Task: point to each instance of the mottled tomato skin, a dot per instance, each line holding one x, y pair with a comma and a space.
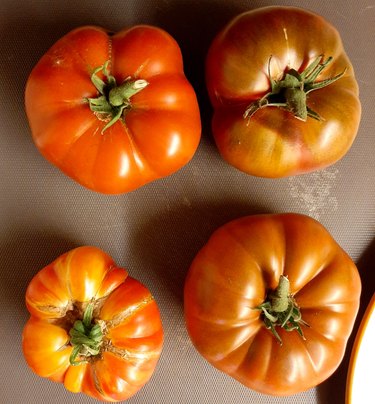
127, 311
230, 277
155, 138
273, 143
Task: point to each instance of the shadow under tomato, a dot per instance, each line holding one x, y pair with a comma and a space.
334, 387
194, 26
168, 242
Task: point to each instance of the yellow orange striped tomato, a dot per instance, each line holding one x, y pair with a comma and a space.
92, 327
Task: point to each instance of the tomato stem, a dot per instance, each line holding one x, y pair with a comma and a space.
290, 93
113, 99
85, 337
281, 310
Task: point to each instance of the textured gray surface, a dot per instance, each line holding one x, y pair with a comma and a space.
156, 231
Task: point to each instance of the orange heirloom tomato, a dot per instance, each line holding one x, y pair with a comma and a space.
113, 112
271, 300
283, 90
92, 327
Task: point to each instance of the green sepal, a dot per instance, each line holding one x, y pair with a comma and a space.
281, 310
290, 93
85, 337
113, 100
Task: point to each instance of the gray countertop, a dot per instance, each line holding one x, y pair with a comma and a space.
156, 230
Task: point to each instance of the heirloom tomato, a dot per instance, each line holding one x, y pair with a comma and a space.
271, 300
113, 112
283, 90
92, 327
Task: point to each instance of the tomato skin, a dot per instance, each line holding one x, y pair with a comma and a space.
273, 143
231, 276
157, 136
133, 333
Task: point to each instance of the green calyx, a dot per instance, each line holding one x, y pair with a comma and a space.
85, 337
113, 100
281, 310
290, 93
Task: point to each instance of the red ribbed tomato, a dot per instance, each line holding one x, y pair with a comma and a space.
92, 327
284, 93
113, 112
271, 300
